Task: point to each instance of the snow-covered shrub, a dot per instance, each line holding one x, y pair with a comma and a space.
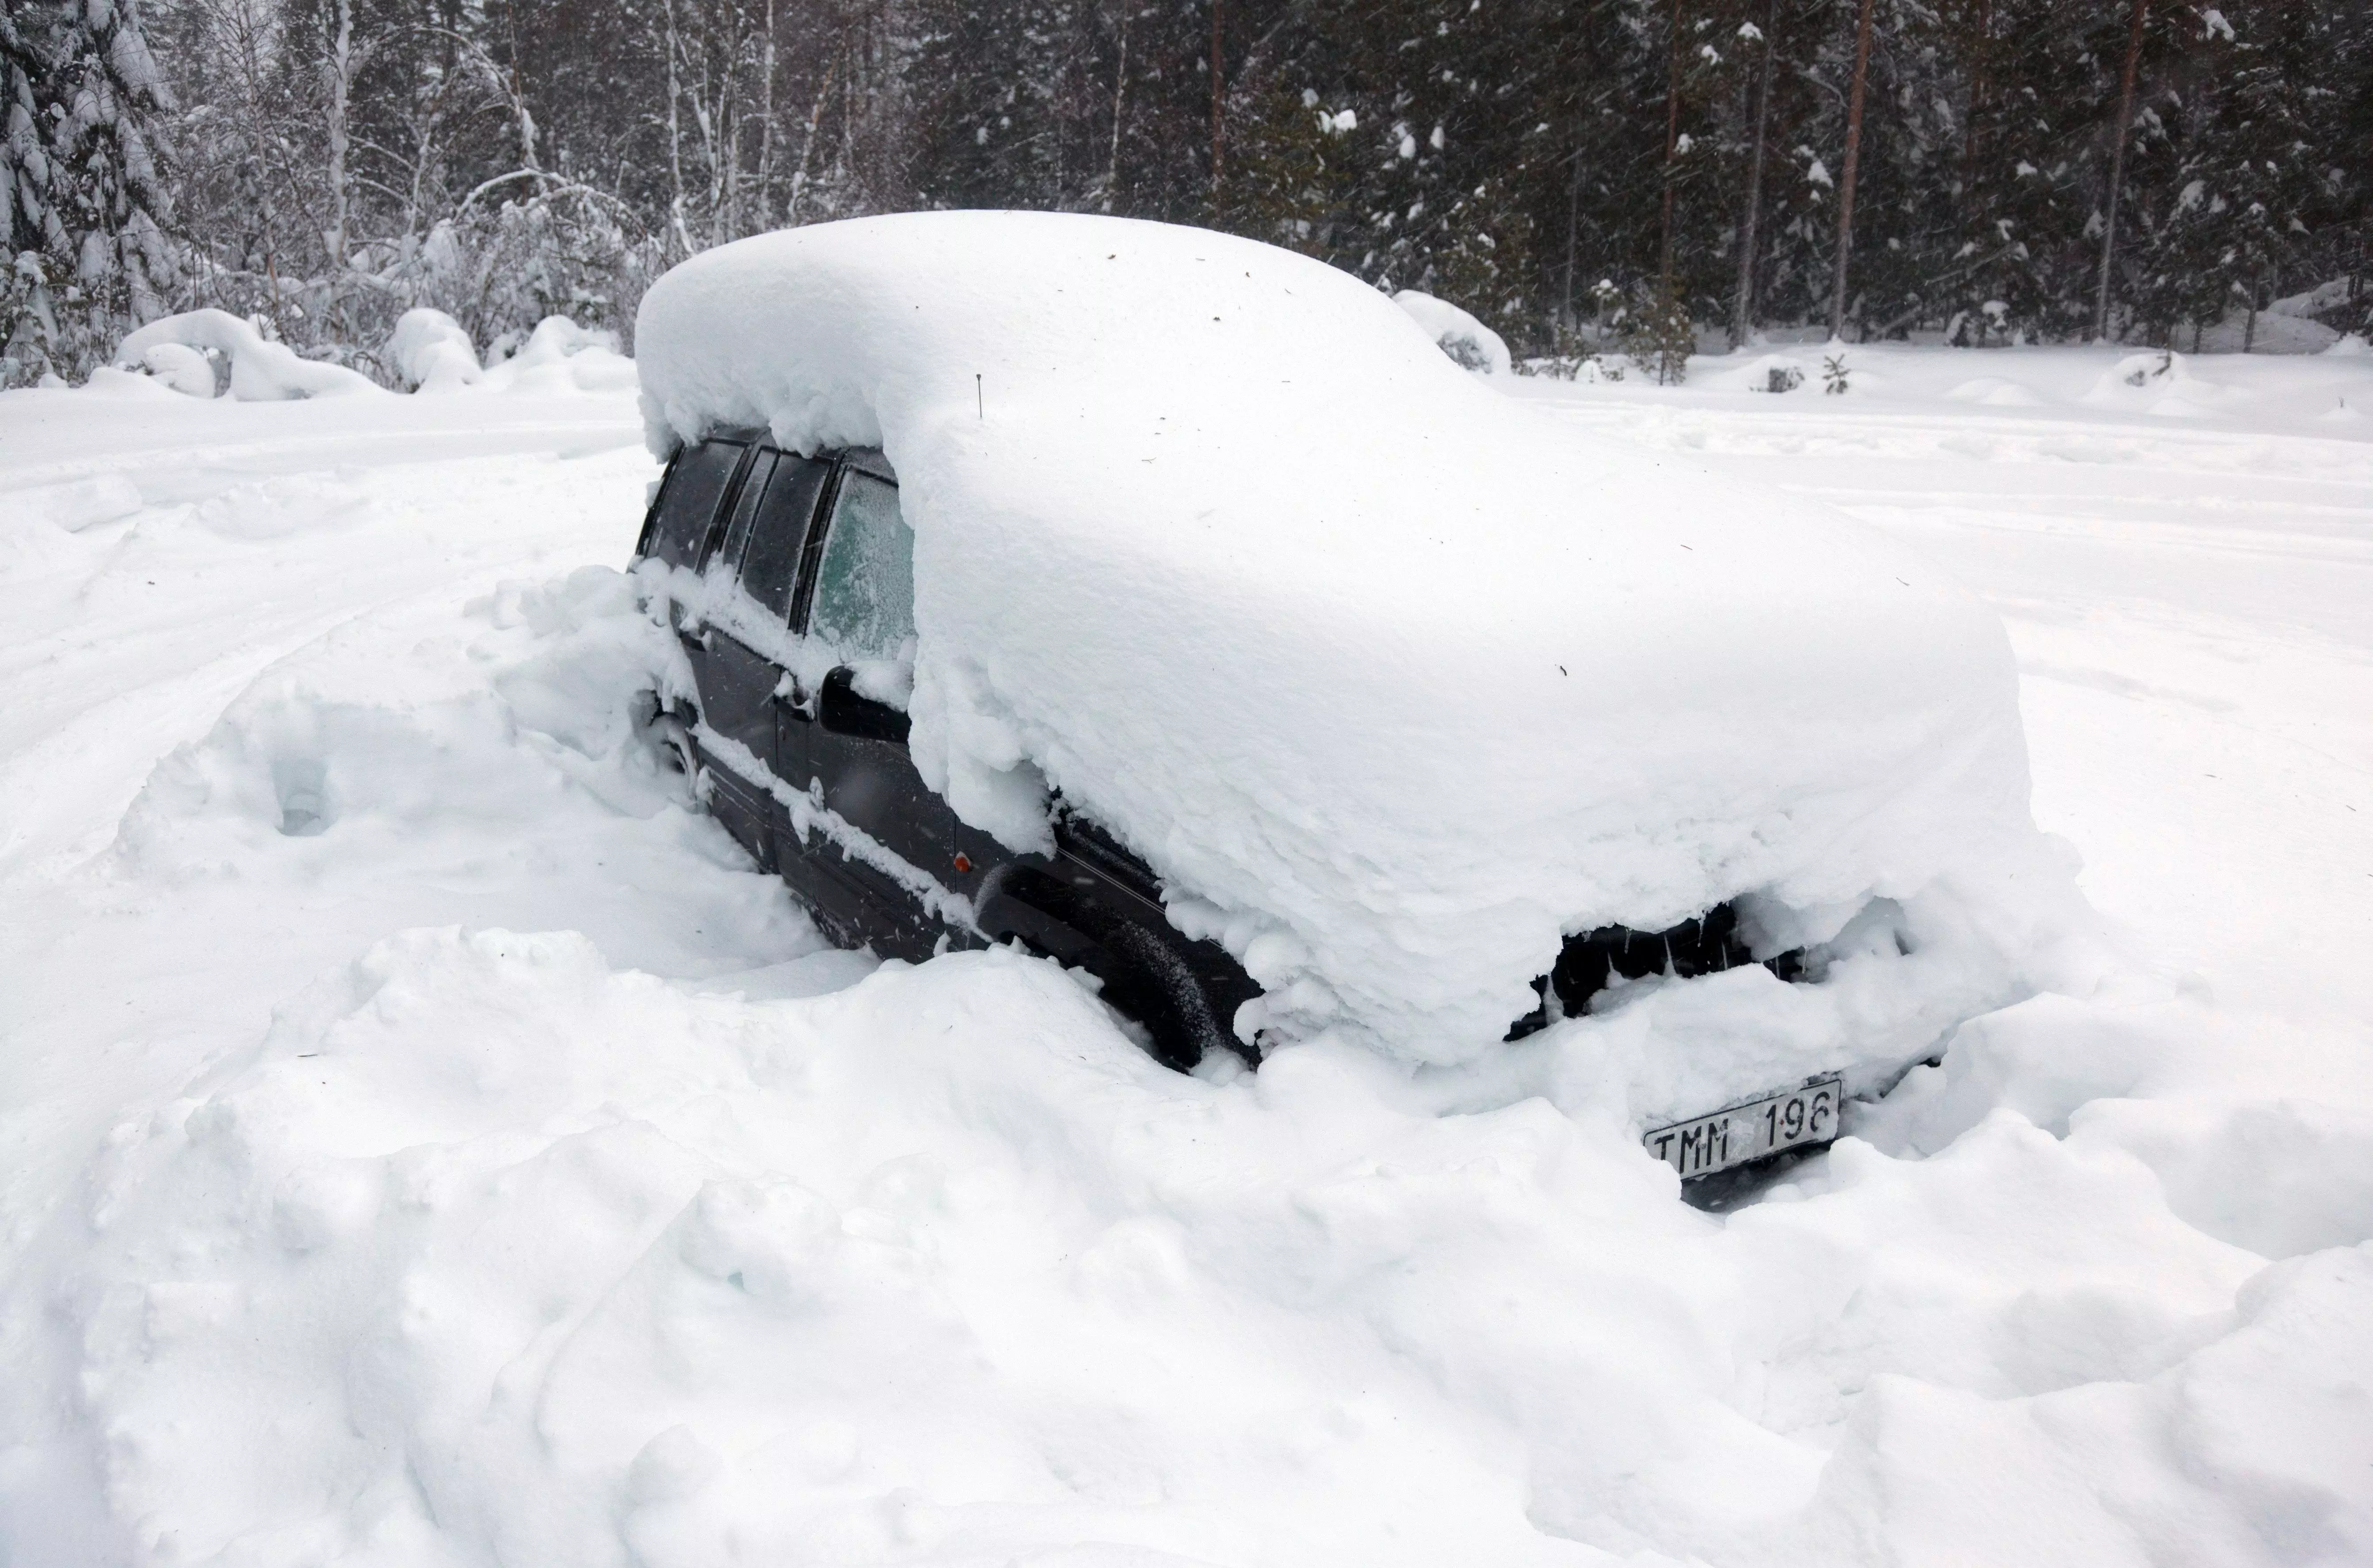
260, 370
1467, 340
182, 368
431, 352
1764, 372
561, 355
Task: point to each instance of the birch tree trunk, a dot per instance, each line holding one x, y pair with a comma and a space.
341, 64
1120, 86
675, 132
1846, 180
1218, 98
767, 125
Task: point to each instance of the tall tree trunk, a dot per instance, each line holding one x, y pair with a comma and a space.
1219, 60
1573, 232
338, 133
1120, 87
1981, 45
1672, 141
807, 148
1846, 179
1742, 310
2118, 166
675, 136
1981, 48
766, 126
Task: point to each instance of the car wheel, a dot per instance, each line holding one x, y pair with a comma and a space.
1151, 984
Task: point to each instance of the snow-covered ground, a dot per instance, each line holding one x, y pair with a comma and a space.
426, 1142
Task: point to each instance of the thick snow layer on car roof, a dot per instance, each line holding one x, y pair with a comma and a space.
1395, 681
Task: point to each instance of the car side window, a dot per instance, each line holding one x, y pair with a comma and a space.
770, 560
746, 505
865, 585
695, 483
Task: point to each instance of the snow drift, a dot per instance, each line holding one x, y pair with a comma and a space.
432, 353
1467, 340
1395, 682
260, 370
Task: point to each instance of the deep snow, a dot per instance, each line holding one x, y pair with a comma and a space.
427, 1143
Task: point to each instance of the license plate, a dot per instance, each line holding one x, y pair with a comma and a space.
1793, 1118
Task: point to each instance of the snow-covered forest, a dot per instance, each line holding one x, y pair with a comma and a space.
1986, 171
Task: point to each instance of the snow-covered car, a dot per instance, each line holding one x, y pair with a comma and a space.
1168, 604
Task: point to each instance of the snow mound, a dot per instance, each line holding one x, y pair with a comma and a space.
77, 504
1768, 373
431, 352
1397, 683
2349, 345
182, 368
535, 1259
260, 371
561, 356
1993, 392
1467, 340
2159, 384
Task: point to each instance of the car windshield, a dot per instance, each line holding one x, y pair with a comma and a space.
865, 586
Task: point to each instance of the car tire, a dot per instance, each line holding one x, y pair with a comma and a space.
1147, 980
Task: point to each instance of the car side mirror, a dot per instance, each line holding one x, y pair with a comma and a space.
843, 710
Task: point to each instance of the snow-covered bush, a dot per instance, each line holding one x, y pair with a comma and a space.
561, 355
432, 353
1469, 341
182, 368
260, 370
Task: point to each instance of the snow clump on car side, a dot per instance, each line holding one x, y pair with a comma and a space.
1395, 682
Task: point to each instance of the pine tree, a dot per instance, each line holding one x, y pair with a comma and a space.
28, 323
108, 193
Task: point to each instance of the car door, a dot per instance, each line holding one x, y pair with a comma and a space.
688, 527
737, 684
857, 598
756, 541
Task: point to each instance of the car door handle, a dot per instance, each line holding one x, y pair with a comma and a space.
795, 699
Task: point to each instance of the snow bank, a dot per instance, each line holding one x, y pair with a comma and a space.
2160, 384
561, 356
77, 503
182, 368
1770, 373
1467, 340
1397, 683
260, 371
491, 1252
431, 352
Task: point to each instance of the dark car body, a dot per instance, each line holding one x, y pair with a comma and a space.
814, 779
759, 739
